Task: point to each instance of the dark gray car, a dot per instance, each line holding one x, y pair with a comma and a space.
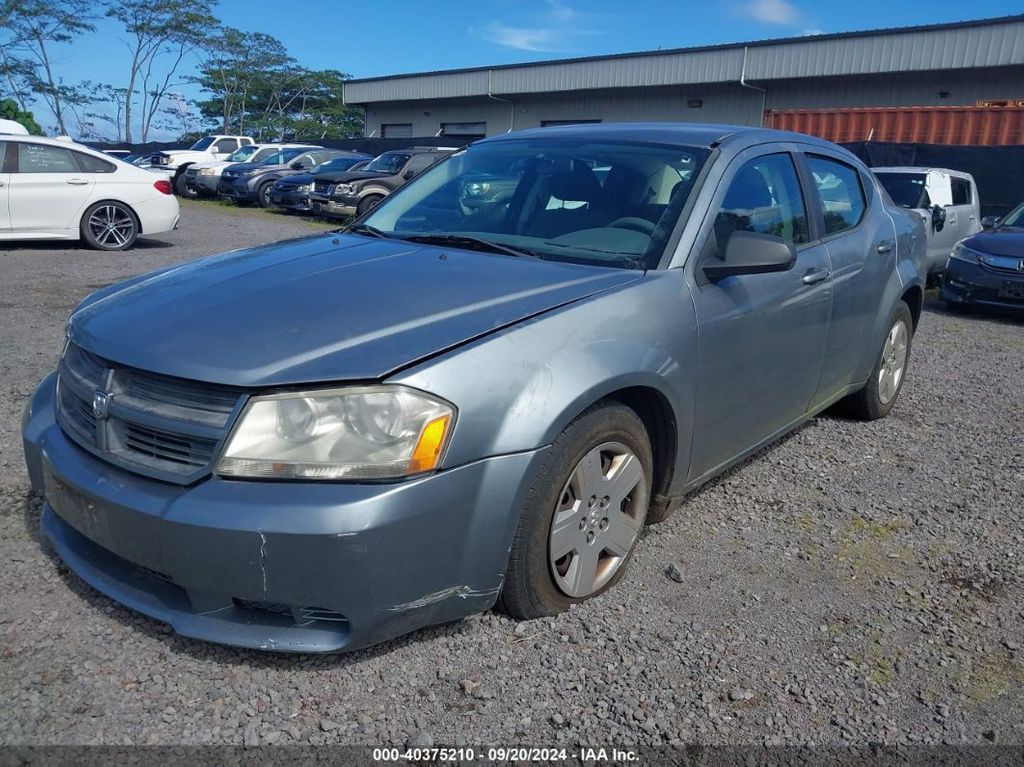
320, 444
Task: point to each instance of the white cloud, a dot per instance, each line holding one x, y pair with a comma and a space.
773, 12
521, 38
554, 30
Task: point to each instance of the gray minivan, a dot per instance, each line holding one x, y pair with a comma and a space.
946, 199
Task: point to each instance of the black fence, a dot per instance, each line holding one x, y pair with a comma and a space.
998, 170
372, 146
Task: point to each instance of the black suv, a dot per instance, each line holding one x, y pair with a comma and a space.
247, 182
355, 192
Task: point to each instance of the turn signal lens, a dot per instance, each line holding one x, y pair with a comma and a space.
163, 185
428, 448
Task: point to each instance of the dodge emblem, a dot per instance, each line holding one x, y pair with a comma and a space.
100, 401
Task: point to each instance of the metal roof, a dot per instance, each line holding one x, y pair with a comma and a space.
961, 45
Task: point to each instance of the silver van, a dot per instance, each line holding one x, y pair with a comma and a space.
946, 199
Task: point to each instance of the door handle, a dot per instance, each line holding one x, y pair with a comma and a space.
884, 247
77, 181
1, 183
815, 275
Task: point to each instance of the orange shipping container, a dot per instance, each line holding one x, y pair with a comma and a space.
965, 126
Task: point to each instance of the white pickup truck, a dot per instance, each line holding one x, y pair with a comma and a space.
205, 149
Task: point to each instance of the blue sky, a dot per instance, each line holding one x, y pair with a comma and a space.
367, 39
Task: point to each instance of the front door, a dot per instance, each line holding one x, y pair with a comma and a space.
5, 212
762, 336
47, 191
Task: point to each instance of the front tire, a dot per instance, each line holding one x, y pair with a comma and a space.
263, 194
109, 226
181, 189
879, 395
368, 203
583, 514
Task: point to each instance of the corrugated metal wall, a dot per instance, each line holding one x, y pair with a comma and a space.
967, 126
983, 44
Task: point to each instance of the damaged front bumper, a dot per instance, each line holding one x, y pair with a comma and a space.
288, 566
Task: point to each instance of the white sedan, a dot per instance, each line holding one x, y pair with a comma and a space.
54, 189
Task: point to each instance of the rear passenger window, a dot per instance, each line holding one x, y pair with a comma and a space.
764, 196
841, 193
90, 164
961, 191
43, 158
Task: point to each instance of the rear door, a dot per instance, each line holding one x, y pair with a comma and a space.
964, 207
47, 190
861, 244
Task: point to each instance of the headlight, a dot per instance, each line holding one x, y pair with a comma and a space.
962, 253
344, 189
207, 172
369, 432
302, 188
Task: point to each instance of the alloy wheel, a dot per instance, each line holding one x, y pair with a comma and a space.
111, 226
597, 520
894, 362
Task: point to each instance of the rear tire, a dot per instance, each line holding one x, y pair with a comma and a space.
879, 395
589, 498
368, 203
109, 226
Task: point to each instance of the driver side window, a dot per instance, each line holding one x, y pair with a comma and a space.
765, 197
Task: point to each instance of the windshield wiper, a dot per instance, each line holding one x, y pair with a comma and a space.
630, 262
366, 229
470, 243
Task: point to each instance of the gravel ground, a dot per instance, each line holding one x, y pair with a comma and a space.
855, 583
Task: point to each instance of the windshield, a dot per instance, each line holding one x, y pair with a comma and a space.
609, 203
1014, 218
339, 163
389, 162
243, 154
906, 189
282, 157
202, 143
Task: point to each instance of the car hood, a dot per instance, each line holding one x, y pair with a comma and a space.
347, 176
324, 308
1002, 241
301, 178
247, 166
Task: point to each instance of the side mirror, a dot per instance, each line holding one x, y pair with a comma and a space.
990, 222
938, 217
409, 174
751, 253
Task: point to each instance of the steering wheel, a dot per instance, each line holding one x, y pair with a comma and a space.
634, 223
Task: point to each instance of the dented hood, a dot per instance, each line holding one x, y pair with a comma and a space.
324, 308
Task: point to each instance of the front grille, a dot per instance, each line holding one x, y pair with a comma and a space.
323, 187
165, 427
1004, 264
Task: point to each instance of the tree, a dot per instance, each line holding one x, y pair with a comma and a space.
161, 34
33, 27
256, 87
9, 110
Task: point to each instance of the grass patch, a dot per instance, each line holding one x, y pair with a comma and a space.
221, 205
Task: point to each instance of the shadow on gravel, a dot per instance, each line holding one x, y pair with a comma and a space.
934, 305
144, 243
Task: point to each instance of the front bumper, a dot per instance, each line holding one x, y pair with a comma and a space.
969, 284
203, 184
236, 189
291, 200
326, 206
288, 566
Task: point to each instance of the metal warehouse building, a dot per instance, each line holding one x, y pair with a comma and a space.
960, 83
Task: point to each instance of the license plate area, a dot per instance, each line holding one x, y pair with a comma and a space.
77, 509
1012, 290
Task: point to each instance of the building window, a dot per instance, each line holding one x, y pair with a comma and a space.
553, 123
396, 130
464, 130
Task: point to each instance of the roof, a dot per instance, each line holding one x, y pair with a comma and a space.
960, 45
682, 134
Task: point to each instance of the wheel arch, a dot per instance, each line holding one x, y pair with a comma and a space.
914, 298
94, 203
